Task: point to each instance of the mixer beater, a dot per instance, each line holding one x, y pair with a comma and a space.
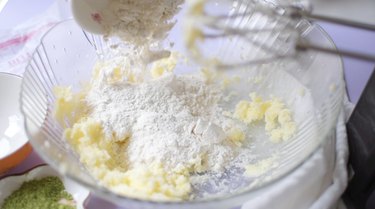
274, 29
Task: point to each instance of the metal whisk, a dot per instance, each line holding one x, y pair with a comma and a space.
261, 31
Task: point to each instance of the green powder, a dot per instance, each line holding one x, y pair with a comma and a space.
46, 193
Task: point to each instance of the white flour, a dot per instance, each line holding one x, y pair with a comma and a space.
141, 26
174, 120
141, 21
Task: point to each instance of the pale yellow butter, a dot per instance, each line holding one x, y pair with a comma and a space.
68, 106
278, 120
151, 182
237, 136
166, 65
259, 168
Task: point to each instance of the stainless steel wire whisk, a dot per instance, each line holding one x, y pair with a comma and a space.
270, 30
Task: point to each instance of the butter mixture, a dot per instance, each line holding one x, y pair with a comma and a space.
147, 132
277, 117
146, 137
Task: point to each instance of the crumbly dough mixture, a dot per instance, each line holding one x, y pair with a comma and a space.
278, 120
145, 136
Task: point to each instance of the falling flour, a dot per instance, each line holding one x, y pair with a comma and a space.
140, 21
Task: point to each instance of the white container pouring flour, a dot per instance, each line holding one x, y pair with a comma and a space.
87, 14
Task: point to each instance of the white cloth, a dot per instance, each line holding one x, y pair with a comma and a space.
318, 183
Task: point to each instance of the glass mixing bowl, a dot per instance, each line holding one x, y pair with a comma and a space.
66, 55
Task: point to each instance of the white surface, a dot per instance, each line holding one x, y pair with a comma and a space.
17, 12
355, 10
2, 4
357, 72
12, 135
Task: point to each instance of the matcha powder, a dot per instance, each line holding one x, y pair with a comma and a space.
45, 193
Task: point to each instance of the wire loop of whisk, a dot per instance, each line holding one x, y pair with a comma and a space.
271, 31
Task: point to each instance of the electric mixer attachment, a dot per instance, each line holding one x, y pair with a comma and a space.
275, 30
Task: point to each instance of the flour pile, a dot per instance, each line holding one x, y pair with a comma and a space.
173, 120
